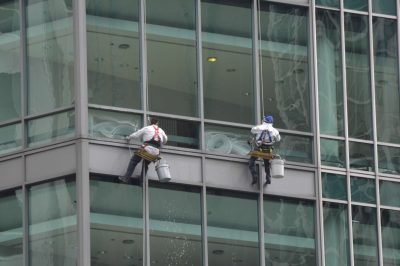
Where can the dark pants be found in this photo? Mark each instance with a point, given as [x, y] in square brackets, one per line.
[133, 163]
[252, 166]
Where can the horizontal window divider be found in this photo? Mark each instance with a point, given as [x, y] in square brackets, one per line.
[11, 156]
[53, 145]
[392, 208]
[225, 123]
[10, 122]
[113, 108]
[356, 203]
[386, 144]
[53, 112]
[394, 17]
[361, 172]
[361, 141]
[295, 132]
[289, 196]
[327, 8]
[352, 11]
[7, 189]
[326, 168]
[345, 202]
[66, 175]
[391, 177]
[334, 171]
[290, 2]
[172, 116]
[331, 137]
[362, 175]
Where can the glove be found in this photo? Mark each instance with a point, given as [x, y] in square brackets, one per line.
[128, 138]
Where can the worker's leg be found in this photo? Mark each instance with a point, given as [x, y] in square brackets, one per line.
[267, 171]
[253, 171]
[131, 167]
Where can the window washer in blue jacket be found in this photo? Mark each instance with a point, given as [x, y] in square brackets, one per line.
[152, 137]
[265, 137]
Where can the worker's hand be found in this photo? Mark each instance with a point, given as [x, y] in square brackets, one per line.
[128, 138]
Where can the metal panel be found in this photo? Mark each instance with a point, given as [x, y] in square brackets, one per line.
[296, 183]
[228, 174]
[50, 163]
[11, 173]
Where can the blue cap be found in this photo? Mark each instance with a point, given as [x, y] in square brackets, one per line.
[268, 119]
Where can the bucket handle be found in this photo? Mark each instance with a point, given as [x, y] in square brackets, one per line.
[276, 156]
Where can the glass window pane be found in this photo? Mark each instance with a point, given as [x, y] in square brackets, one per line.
[227, 140]
[330, 91]
[116, 223]
[227, 60]
[334, 186]
[360, 5]
[11, 231]
[171, 55]
[113, 53]
[295, 148]
[10, 138]
[175, 226]
[389, 193]
[289, 232]
[115, 125]
[284, 50]
[330, 3]
[361, 156]
[384, 7]
[363, 189]
[51, 128]
[386, 79]
[390, 221]
[10, 68]
[358, 76]
[180, 133]
[364, 236]
[53, 236]
[389, 159]
[50, 55]
[336, 235]
[333, 153]
[232, 222]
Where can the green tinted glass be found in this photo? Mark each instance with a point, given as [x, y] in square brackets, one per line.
[387, 7]
[10, 138]
[334, 186]
[227, 140]
[333, 153]
[360, 5]
[329, 3]
[390, 223]
[363, 189]
[389, 193]
[361, 156]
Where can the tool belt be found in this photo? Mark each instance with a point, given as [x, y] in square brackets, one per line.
[263, 151]
[148, 153]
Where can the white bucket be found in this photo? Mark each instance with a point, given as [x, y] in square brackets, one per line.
[277, 168]
[162, 169]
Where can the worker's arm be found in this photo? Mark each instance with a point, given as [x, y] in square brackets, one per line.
[277, 136]
[256, 129]
[137, 134]
[164, 137]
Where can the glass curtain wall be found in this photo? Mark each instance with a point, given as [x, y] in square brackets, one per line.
[53, 238]
[11, 231]
[175, 225]
[227, 60]
[116, 223]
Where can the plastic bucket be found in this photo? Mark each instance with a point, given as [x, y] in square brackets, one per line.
[162, 169]
[277, 168]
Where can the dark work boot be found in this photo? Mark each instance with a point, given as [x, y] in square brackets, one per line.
[255, 179]
[267, 180]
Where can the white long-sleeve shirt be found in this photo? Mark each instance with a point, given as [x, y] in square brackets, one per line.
[266, 133]
[147, 133]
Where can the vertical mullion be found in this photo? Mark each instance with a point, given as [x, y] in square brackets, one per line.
[204, 230]
[23, 68]
[143, 58]
[199, 56]
[25, 226]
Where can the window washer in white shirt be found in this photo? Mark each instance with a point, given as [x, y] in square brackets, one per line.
[265, 137]
[152, 137]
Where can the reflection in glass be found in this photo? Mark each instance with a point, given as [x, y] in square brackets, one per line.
[50, 55]
[51, 128]
[227, 140]
[387, 7]
[390, 222]
[116, 223]
[336, 235]
[330, 91]
[363, 189]
[171, 55]
[389, 159]
[232, 222]
[360, 5]
[386, 80]
[113, 53]
[389, 193]
[295, 148]
[364, 236]
[115, 125]
[334, 186]
[358, 76]
[175, 226]
[284, 49]
[289, 232]
[228, 81]
[10, 138]
[53, 236]
[329, 3]
[10, 69]
[180, 133]
[361, 156]
[11, 231]
[333, 153]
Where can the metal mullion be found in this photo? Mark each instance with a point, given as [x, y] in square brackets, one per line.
[361, 141]
[390, 208]
[297, 133]
[114, 108]
[346, 130]
[23, 69]
[343, 202]
[327, 8]
[384, 16]
[10, 122]
[231, 124]
[374, 130]
[200, 84]
[52, 112]
[352, 11]
[316, 131]
[143, 59]
[25, 226]
[331, 137]
[204, 231]
[393, 145]
[181, 117]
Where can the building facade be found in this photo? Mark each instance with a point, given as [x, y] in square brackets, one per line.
[78, 76]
